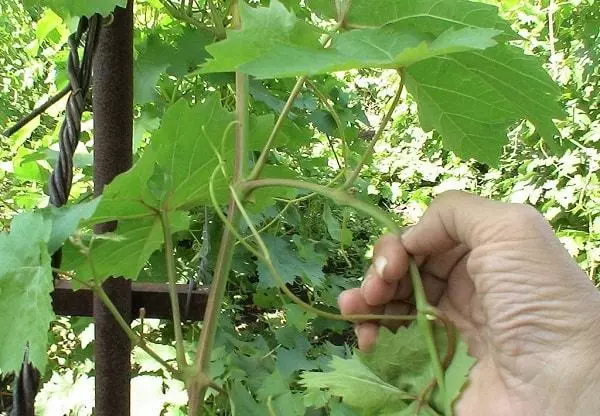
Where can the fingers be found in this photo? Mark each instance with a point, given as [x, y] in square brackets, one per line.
[352, 302]
[376, 290]
[366, 334]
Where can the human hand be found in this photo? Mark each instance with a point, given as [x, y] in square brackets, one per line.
[528, 313]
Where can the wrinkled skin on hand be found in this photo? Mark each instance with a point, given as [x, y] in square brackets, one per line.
[528, 313]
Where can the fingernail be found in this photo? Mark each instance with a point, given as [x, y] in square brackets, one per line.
[356, 330]
[365, 279]
[380, 263]
[407, 231]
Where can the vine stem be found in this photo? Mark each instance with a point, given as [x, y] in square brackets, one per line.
[184, 17]
[96, 287]
[199, 382]
[337, 195]
[384, 121]
[135, 338]
[172, 277]
[264, 256]
[262, 159]
[425, 324]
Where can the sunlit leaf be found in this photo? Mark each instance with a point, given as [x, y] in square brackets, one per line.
[25, 287]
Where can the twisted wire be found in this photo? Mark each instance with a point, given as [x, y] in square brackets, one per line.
[80, 75]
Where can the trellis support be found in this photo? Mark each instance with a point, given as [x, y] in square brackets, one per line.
[113, 132]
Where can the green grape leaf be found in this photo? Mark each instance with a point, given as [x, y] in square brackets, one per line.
[291, 360]
[341, 409]
[151, 62]
[292, 338]
[457, 374]
[289, 404]
[125, 252]
[432, 16]
[174, 171]
[297, 316]
[190, 51]
[316, 398]
[472, 98]
[25, 287]
[242, 403]
[74, 8]
[65, 221]
[357, 385]
[181, 150]
[402, 359]
[397, 354]
[128, 196]
[263, 28]
[274, 43]
[289, 266]
[272, 386]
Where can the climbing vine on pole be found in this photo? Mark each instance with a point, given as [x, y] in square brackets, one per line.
[455, 58]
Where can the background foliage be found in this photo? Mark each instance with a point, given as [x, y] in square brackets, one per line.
[264, 340]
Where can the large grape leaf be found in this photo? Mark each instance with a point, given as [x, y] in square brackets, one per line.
[73, 8]
[25, 287]
[125, 252]
[242, 402]
[431, 16]
[174, 171]
[181, 150]
[397, 354]
[289, 264]
[274, 43]
[402, 359]
[357, 385]
[398, 369]
[472, 98]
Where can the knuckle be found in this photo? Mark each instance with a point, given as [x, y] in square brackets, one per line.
[526, 218]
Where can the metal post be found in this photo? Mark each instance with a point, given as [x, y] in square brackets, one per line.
[113, 127]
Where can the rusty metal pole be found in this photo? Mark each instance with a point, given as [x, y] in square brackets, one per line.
[113, 128]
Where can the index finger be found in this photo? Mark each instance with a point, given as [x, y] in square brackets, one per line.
[390, 258]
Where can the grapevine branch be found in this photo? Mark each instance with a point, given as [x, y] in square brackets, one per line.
[386, 119]
[199, 382]
[184, 17]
